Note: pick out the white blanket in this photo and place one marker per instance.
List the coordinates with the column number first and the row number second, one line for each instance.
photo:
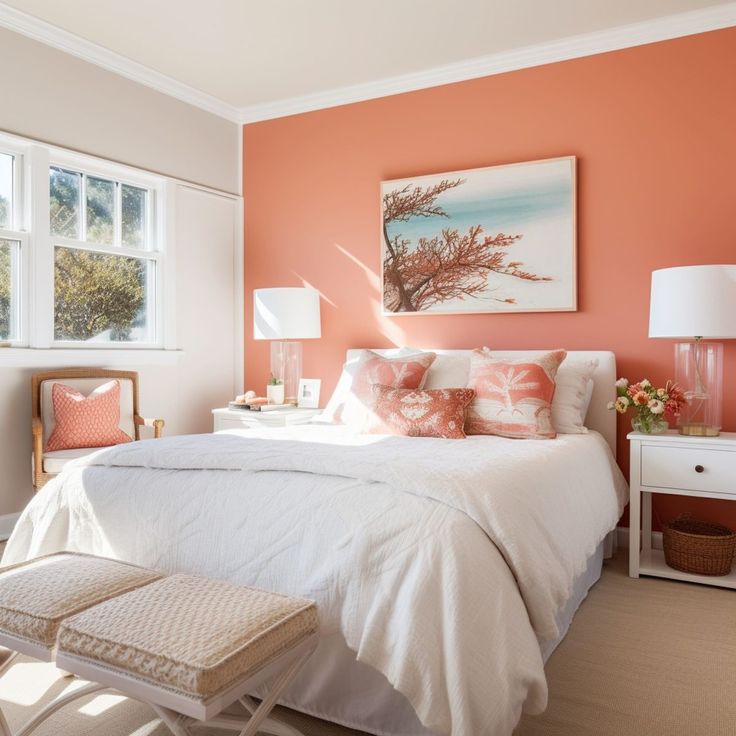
column 397, row 539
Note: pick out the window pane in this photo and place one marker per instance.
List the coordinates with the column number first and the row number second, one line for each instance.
column 64, row 202
column 100, row 211
column 134, row 216
column 6, row 191
column 101, row 297
column 8, row 294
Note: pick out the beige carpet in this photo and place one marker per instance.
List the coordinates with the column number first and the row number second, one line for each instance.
column 643, row 658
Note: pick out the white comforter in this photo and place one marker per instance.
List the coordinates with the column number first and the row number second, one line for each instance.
column 397, row 539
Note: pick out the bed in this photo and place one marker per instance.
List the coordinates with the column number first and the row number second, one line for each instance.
column 445, row 571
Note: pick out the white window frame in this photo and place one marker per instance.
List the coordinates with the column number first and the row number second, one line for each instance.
column 154, row 252
column 18, row 232
column 31, row 213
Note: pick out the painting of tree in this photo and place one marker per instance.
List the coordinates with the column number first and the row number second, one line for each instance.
column 441, row 255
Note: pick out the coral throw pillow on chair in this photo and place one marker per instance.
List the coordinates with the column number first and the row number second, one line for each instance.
column 400, row 372
column 86, row 421
column 513, row 398
column 438, row 412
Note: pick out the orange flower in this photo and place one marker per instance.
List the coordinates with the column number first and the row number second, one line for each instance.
column 641, row 398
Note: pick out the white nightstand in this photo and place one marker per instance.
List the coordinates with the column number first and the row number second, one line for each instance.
column 243, row 419
column 683, row 466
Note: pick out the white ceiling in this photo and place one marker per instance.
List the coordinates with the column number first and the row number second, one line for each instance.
column 249, row 52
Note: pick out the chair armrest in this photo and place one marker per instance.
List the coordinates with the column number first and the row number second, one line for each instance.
column 157, row 424
column 37, row 431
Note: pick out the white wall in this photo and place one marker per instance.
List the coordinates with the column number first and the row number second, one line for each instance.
column 184, row 387
column 57, row 98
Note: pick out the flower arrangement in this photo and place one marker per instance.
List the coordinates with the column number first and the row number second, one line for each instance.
column 652, row 405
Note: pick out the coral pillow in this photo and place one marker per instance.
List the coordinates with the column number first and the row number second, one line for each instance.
column 513, row 398
column 86, row 421
column 401, row 372
column 415, row 413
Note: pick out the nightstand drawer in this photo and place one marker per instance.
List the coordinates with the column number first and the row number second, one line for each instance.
column 687, row 468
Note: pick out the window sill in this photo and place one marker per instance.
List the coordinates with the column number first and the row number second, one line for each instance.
column 47, row 357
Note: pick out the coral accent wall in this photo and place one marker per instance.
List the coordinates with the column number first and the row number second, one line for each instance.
column 653, row 130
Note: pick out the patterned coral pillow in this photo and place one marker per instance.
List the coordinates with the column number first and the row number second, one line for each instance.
column 513, row 398
column 86, row 421
column 400, row 372
column 414, row 413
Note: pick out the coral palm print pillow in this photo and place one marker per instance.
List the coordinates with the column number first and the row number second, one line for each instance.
column 513, row 398
column 401, row 372
column 86, row 421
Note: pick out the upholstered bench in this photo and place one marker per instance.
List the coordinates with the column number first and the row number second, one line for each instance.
column 36, row 596
column 192, row 646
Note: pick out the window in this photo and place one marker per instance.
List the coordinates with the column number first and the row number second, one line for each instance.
column 82, row 256
column 10, row 250
column 105, row 259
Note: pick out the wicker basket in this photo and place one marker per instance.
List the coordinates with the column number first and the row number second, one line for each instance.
column 698, row 547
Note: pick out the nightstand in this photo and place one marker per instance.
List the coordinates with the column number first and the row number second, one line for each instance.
column 244, row 419
column 682, row 466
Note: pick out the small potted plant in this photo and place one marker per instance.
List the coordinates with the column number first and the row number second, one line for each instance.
column 275, row 390
column 651, row 405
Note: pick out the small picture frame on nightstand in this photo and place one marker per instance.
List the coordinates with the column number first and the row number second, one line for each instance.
column 308, row 396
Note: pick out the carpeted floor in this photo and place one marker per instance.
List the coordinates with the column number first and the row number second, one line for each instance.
column 643, row 658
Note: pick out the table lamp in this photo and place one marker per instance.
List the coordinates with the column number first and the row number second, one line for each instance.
column 286, row 315
column 693, row 303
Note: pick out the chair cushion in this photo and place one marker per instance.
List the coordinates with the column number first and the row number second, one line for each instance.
column 193, row 634
column 86, row 386
column 54, row 461
column 35, row 596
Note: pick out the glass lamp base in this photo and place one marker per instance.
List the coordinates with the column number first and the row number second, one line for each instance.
column 699, row 430
column 286, row 365
column 699, row 374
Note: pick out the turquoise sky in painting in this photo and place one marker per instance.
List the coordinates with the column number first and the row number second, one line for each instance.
column 507, row 212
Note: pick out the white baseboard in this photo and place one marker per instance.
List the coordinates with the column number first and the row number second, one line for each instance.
column 622, row 538
column 7, row 523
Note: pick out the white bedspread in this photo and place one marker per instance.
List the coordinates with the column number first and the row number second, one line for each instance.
column 397, row 539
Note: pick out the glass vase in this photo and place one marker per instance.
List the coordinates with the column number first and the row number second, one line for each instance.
column 649, row 424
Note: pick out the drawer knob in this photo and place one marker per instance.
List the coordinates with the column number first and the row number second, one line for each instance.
column 699, row 468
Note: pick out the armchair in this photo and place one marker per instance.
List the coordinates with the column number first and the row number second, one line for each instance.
column 48, row 464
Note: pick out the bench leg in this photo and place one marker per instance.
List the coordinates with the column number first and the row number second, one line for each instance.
column 58, row 703
column 175, row 722
column 279, row 685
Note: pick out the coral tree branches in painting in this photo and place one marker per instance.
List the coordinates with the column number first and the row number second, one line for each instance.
column 449, row 265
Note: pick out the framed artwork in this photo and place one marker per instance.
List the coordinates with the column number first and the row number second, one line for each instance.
column 308, row 397
column 497, row 239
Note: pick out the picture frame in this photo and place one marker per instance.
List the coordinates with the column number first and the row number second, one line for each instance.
column 498, row 239
column 308, row 395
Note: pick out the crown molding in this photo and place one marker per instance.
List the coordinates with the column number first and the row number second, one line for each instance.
column 572, row 47
column 39, row 30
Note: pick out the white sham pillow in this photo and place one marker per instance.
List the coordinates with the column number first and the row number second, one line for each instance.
column 574, row 389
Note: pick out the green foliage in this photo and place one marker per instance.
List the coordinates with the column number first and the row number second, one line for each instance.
column 95, row 292
column 4, row 291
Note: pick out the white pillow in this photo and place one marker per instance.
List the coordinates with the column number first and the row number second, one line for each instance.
column 342, row 391
column 572, row 396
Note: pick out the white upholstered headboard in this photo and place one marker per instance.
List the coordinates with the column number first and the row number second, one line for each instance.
column 599, row 417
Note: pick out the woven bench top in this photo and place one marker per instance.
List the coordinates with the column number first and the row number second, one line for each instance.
column 35, row 596
column 191, row 634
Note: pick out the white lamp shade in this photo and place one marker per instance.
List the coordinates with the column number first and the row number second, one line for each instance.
column 286, row 314
column 693, row 301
